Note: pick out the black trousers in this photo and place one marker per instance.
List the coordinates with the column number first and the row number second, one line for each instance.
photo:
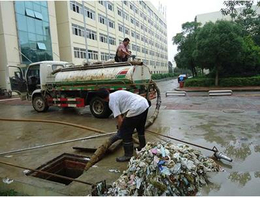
column 120, row 59
column 130, row 124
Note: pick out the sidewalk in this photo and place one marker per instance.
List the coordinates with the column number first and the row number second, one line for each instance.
column 206, row 89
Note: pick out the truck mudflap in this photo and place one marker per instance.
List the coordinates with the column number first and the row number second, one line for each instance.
column 66, row 102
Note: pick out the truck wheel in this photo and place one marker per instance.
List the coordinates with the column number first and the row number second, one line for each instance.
column 99, row 108
column 39, row 104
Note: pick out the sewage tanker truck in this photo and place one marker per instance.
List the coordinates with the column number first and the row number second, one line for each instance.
column 56, row 83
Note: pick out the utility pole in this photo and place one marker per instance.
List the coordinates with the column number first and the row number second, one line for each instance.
column 85, row 30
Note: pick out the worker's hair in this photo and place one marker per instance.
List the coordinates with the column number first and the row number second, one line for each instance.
column 126, row 40
column 103, row 93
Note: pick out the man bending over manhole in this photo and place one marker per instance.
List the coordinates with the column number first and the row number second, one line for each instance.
column 134, row 108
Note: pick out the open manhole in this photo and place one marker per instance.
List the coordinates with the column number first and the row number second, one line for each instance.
column 68, row 165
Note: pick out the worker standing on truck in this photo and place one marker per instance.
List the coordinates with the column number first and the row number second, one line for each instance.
column 135, row 109
column 122, row 52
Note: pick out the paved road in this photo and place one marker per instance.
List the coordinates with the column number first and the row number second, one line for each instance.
column 231, row 123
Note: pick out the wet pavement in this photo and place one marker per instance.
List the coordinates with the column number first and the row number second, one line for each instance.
column 231, row 123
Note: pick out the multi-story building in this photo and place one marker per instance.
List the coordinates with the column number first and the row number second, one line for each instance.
column 80, row 31
column 214, row 16
column 28, row 33
column 92, row 30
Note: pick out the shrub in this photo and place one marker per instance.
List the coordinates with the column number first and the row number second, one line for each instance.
column 223, row 82
column 199, row 82
column 240, row 81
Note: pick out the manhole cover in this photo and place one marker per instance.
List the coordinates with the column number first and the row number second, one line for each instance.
column 68, row 165
column 233, row 111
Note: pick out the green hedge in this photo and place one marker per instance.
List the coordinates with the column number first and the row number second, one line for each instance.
column 223, row 82
column 162, row 76
column 199, row 82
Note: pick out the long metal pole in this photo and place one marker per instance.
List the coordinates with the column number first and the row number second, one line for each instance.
column 106, row 5
column 167, row 136
column 85, row 30
column 47, row 173
column 56, row 143
column 123, row 13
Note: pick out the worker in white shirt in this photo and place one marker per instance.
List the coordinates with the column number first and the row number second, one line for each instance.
column 135, row 108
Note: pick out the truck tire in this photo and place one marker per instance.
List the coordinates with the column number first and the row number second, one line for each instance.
column 99, row 108
column 40, row 104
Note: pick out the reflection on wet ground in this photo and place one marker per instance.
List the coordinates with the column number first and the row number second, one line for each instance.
column 229, row 123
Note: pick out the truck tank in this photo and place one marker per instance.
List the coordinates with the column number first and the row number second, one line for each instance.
column 105, row 72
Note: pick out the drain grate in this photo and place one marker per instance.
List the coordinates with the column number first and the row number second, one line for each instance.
column 68, row 165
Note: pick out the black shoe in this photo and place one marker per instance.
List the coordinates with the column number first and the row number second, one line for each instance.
column 142, row 142
column 128, row 147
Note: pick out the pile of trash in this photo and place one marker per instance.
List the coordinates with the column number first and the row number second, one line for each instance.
column 164, row 169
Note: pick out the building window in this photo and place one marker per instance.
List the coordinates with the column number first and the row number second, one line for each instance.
column 133, row 34
column 112, row 41
column 77, row 30
column 111, row 24
column 126, row 31
column 29, row 13
column 90, row 13
column 101, row 2
column 110, row 6
column 119, row 12
column 33, row 29
column 91, row 34
column 134, row 47
column 83, row 54
column 136, row 11
column 38, row 15
column 131, row 6
column 137, row 36
column 103, row 38
column 125, row 15
column 120, row 28
column 76, row 52
column 41, row 46
column 92, row 55
column 132, row 20
column 125, row 2
column 137, row 23
column 76, row 7
column 102, row 19
column 138, row 48
column 104, row 56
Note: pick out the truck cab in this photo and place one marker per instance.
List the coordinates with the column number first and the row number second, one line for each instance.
column 26, row 82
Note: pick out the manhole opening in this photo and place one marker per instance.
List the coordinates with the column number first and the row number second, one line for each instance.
column 68, row 165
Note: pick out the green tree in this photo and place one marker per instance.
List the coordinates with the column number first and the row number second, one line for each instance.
column 219, row 45
column 186, row 42
column 244, row 14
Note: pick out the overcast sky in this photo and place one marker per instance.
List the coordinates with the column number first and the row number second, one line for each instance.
column 181, row 11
